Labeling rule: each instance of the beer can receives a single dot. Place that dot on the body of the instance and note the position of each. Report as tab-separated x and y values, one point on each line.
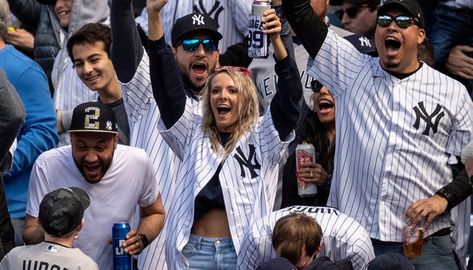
305	153
257	40
121	260
412	241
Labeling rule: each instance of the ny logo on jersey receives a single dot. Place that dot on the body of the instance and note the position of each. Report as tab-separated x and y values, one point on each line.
421	113
198	19
364	41
214	11
246	162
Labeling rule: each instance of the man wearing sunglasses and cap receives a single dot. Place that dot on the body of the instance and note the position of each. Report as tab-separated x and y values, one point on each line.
61	215
401	124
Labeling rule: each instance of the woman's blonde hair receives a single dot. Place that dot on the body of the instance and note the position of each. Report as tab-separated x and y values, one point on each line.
248	115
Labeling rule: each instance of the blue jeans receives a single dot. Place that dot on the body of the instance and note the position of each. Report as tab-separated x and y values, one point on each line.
437	253
210	253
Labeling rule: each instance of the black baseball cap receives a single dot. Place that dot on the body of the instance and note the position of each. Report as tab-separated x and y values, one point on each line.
61	210
411	6
194	22
93	117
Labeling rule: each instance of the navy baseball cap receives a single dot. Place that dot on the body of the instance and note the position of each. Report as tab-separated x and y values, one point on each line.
194	22
61	210
278	263
411	6
390	261
93	117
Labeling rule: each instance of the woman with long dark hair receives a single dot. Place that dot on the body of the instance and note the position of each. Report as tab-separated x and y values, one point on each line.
316	127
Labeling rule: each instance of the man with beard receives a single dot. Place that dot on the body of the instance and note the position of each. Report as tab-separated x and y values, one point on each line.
116	177
401	123
131	63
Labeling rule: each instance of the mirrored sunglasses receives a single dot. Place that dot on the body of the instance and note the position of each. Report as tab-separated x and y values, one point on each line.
402	21
191	45
351	12
241	69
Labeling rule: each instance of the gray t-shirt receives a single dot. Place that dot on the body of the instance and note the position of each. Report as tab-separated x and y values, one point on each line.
46	255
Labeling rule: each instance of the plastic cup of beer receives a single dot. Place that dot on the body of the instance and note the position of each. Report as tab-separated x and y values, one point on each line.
412	240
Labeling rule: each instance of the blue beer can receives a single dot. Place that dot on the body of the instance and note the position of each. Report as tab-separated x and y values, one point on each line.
121	260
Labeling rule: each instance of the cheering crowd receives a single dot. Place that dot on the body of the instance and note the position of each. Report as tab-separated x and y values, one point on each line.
153	114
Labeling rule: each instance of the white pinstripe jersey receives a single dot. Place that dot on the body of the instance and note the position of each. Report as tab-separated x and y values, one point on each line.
69	90
343	237
248	178
232	17
461	231
143	115
393	136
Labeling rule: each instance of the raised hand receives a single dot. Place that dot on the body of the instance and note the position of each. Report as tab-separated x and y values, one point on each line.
154	6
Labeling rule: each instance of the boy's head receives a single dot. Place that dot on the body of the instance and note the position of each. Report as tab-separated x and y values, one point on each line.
297	237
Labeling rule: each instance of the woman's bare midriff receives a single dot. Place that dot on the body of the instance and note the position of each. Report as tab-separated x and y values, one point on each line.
212	224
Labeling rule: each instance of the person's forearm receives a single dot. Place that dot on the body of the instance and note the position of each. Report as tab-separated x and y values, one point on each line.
457	190
285	104
166	81
309	28
152	219
155	26
32	236
124	58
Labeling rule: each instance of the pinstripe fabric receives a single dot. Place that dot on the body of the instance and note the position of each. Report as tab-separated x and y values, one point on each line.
383	161
69	90
232	17
343	237
246	196
461	231
143	115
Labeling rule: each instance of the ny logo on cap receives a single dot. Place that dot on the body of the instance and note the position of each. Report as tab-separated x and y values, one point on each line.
108	125
198	19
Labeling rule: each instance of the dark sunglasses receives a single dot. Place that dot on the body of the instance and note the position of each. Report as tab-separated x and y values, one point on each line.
191	45
241	69
315	86
351	12
402	21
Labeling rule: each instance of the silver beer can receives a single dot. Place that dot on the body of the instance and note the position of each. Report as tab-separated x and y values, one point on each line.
257	40
305	153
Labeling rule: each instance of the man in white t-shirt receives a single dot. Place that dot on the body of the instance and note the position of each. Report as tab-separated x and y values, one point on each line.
61	216
116	177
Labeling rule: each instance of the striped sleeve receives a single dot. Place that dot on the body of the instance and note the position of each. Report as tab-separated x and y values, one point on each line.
337	64
179	135
460	134
138	92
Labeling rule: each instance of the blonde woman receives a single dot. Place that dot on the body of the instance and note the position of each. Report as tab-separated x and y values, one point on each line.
230	156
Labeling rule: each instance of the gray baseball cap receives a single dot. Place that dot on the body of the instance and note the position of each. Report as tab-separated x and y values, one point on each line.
62	210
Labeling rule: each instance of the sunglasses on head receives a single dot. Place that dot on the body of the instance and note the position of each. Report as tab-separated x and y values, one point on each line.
241	69
191	45
402	21
351	12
